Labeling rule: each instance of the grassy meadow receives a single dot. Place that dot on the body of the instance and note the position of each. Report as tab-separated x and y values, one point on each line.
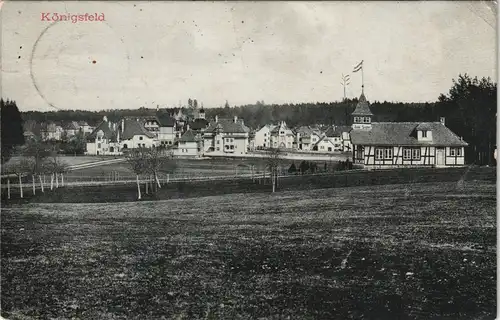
184	168
425	252
69	160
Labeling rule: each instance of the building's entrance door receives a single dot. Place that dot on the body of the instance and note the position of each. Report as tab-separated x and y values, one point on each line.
359	155
440	156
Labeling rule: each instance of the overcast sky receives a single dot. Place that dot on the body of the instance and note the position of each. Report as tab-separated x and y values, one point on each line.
162	53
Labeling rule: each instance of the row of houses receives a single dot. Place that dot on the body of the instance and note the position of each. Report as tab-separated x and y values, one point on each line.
328	139
54	131
372	144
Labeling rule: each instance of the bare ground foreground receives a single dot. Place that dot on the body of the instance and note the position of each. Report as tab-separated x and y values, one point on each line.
388	252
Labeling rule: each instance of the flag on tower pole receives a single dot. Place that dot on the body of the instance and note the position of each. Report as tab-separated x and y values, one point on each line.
358	67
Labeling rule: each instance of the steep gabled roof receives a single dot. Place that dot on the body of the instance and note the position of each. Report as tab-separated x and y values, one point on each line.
403	134
108	133
336	131
228	126
188	136
324	139
165	120
144	119
133	128
277	128
199	124
362	108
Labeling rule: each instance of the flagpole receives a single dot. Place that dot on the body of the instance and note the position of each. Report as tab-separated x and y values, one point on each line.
362	80
344	89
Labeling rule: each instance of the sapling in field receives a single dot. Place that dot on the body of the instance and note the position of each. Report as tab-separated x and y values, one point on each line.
137	160
273	161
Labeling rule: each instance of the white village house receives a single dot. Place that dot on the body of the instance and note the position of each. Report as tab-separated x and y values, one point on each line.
306	138
226	136
103	140
132	134
189	145
262	137
282	137
326	144
339	136
392	144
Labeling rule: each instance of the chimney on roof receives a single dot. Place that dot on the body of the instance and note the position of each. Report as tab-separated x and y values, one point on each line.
442	120
123	125
216	119
105	119
187	127
235	119
110	124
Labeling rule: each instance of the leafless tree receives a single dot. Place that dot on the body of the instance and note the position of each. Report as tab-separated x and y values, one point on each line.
137	161
8	169
273	161
56	168
22	168
166	164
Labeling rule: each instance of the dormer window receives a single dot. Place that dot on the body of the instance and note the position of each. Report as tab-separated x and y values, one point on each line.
424	134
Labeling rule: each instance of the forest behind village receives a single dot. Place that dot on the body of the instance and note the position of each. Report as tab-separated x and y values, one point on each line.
469	109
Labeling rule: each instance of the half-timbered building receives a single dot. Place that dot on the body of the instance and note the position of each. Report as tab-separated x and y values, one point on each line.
398	144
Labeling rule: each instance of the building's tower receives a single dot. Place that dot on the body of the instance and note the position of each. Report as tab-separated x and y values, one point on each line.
362	115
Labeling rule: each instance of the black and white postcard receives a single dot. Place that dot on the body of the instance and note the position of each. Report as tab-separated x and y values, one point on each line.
248	160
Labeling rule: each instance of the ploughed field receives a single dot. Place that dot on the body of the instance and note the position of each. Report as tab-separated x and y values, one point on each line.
425	251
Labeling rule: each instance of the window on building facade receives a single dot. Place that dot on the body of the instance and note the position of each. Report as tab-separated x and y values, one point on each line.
407	154
388	153
383	153
415	154
232	147
411	153
140	138
366	119
456	152
359	152
218	149
98	146
424	134
218	142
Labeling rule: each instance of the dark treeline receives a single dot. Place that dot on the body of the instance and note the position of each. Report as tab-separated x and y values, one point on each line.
338	113
469	109
259	114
